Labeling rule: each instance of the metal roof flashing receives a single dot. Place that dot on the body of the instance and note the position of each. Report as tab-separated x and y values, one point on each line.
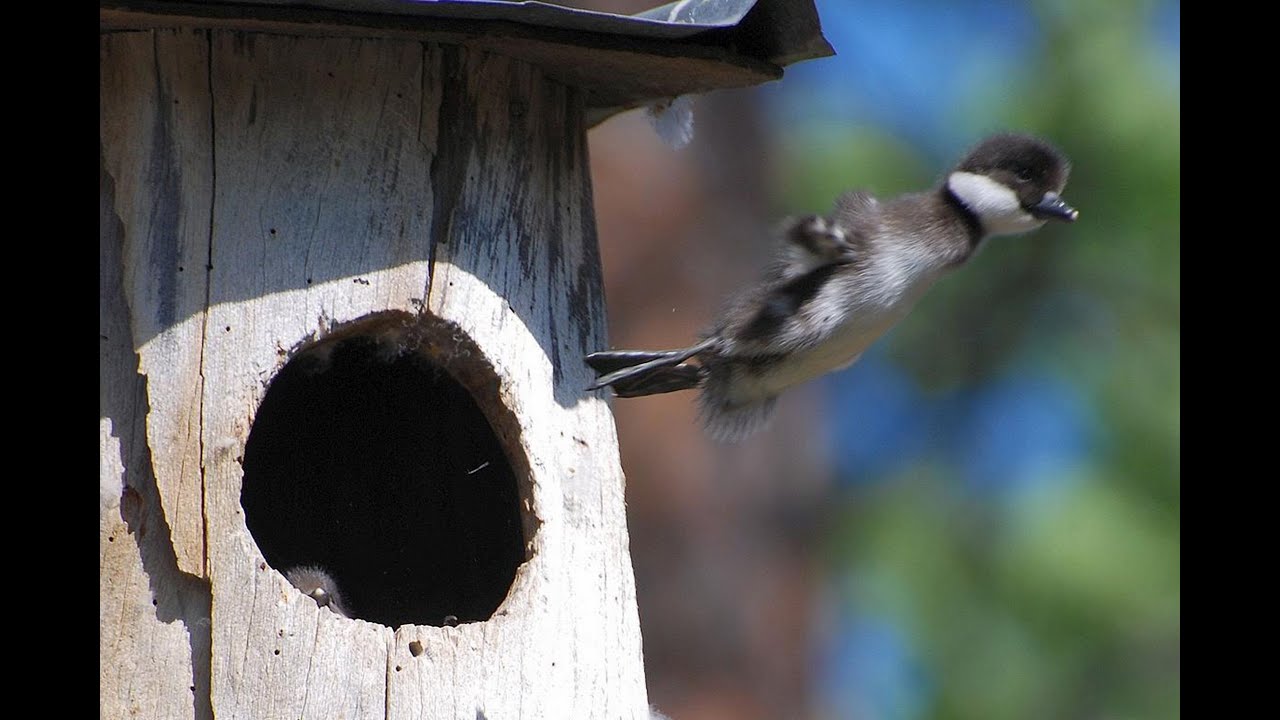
621	61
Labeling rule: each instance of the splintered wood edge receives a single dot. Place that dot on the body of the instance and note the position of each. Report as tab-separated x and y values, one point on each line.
617	72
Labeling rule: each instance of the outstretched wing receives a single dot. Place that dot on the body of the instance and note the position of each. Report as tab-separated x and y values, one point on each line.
813	241
774	316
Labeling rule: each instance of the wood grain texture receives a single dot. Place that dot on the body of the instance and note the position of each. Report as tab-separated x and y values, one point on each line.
347	177
516	268
156	146
321	213
153	650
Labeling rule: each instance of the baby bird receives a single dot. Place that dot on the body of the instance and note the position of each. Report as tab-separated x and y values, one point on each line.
842	280
319	585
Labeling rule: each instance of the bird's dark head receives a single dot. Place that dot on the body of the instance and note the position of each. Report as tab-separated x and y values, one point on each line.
1012	183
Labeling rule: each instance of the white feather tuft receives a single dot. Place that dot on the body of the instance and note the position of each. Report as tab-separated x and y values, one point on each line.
673	120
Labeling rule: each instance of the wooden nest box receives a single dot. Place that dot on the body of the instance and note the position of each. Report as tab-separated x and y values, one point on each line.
349	273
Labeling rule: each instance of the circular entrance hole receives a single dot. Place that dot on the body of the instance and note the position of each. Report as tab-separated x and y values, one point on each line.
372	457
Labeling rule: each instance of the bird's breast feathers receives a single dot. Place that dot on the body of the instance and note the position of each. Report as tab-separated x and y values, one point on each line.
850	313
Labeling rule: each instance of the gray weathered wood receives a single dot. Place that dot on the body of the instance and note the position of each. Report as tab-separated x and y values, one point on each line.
321	211
153	652
157	113
337	178
519	273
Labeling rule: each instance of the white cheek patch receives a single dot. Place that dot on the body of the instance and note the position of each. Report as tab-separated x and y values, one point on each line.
995	204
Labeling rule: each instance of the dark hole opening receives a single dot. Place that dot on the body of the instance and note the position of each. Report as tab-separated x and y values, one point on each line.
370	460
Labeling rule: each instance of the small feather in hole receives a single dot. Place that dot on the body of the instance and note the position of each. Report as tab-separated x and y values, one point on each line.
316	583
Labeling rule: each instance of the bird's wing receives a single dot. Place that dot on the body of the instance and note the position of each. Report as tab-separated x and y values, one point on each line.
816	248
809	242
812	241
774	311
856	211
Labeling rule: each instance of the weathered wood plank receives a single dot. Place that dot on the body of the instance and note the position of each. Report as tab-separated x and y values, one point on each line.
153	641
321	215
330	165
156	146
516	267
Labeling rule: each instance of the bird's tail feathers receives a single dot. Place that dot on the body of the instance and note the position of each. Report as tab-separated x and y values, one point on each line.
730	420
732	423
